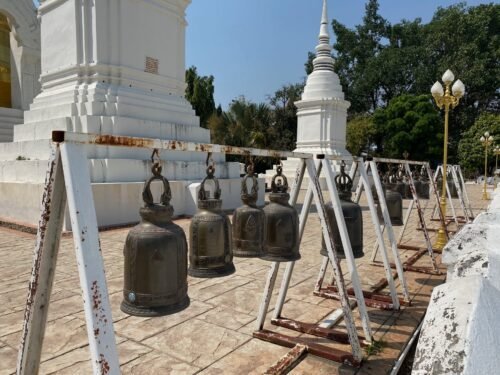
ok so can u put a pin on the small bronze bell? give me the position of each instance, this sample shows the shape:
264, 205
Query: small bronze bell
282, 222
155, 277
451, 186
210, 253
352, 215
424, 187
394, 202
249, 221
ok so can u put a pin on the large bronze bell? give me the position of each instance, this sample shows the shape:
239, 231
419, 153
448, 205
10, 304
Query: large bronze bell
282, 223
155, 278
210, 253
451, 186
249, 221
352, 215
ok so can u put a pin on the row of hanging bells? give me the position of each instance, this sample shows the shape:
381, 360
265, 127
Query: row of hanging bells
271, 233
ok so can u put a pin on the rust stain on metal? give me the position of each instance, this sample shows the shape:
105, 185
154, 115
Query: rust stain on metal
114, 140
35, 272
96, 332
104, 365
288, 361
96, 296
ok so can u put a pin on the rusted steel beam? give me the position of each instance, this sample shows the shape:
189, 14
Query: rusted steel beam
288, 361
399, 161
318, 350
314, 330
368, 302
418, 248
412, 268
60, 136
371, 295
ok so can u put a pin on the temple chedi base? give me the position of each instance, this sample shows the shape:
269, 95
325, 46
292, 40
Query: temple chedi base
322, 110
111, 67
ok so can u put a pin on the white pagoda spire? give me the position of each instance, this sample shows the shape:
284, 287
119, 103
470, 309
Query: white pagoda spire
324, 60
323, 82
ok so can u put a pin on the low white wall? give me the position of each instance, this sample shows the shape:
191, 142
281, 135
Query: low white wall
461, 333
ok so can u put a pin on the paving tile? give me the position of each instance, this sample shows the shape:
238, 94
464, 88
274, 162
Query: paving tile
204, 292
8, 360
226, 317
197, 342
11, 322
318, 366
139, 329
61, 336
158, 363
254, 357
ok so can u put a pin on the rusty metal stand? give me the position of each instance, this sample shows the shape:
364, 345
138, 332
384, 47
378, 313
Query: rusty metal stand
351, 337
372, 298
409, 264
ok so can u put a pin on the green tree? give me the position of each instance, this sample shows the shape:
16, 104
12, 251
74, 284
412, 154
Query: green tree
409, 123
360, 132
471, 150
200, 93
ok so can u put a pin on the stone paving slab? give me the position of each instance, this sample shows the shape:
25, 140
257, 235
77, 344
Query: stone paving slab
214, 334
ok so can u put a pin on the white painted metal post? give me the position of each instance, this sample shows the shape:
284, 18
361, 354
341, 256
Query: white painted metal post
434, 191
390, 230
466, 195
273, 271
346, 244
459, 192
380, 238
97, 307
302, 225
339, 277
421, 216
44, 266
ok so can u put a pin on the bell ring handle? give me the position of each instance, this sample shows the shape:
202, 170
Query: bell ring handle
202, 194
343, 180
277, 187
166, 196
255, 186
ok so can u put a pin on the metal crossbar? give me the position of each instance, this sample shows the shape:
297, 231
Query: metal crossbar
68, 179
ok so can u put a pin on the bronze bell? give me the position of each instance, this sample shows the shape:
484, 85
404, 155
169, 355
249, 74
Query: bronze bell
451, 186
249, 221
424, 185
394, 202
210, 253
155, 277
352, 215
282, 223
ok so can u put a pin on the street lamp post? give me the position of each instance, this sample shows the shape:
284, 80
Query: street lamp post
486, 140
446, 98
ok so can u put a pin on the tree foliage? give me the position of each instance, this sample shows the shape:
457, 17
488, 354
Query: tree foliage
200, 93
360, 133
409, 123
471, 150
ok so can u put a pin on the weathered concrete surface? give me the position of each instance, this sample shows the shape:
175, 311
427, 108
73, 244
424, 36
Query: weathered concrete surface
461, 334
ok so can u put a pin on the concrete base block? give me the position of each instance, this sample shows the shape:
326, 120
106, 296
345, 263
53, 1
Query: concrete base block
460, 331
116, 203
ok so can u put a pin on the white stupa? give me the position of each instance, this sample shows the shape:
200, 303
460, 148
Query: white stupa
111, 67
322, 111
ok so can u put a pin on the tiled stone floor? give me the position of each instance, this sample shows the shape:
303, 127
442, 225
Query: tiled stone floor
214, 335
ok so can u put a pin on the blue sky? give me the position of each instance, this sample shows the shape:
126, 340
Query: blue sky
253, 47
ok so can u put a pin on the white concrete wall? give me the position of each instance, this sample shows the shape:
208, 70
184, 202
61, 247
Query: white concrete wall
461, 330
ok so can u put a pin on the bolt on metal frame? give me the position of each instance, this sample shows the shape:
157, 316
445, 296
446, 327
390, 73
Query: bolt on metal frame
415, 203
68, 179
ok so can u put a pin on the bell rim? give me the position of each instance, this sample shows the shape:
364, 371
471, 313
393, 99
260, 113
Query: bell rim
155, 311
280, 258
208, 273
247, 253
